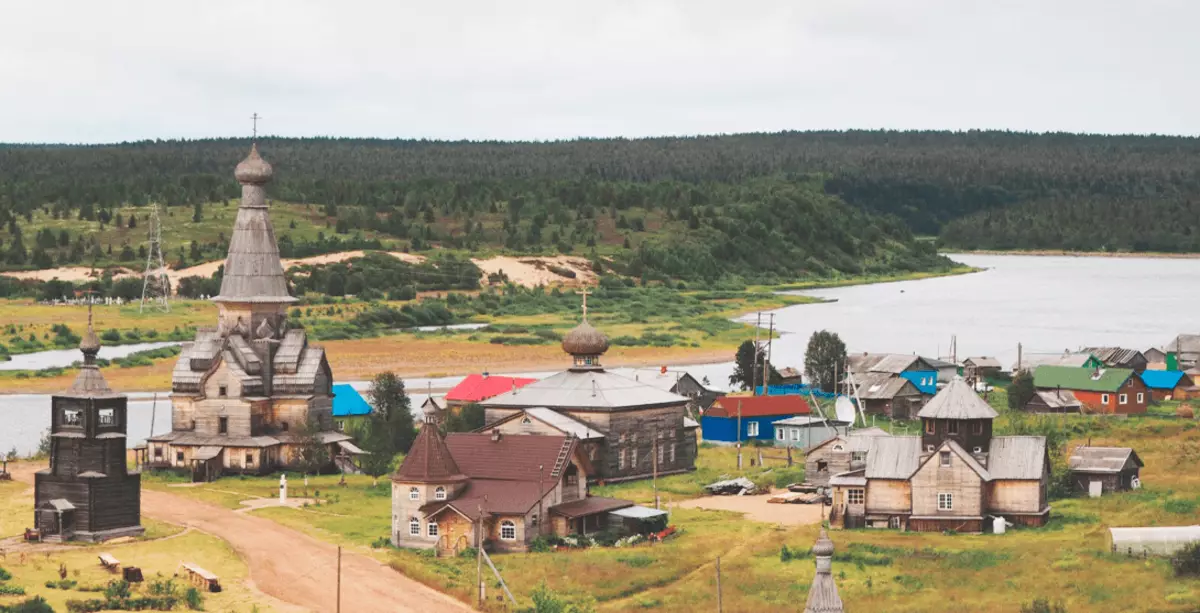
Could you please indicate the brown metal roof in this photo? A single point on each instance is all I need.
(591, 505)
(429, 461)
(493, 497)
(514, 457)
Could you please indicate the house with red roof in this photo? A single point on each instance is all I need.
(480, 387)
(494, 489)
(734, 419)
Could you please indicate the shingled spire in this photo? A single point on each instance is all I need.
(823, 595)
(253, 271)
(89, 383)
(429, 460)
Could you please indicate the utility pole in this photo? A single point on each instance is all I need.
(654, 463)
(479, 560)
(719, 607)
(339, 580)
(767, 354)
(754, 369)
(156, 287)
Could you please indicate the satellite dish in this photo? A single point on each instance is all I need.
(844, 409)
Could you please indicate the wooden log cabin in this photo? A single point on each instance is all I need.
(1103, 470)
(1099, 390)
(955, 476)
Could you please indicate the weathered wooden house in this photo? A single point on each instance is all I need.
(1053, 401)
(642, 427)
(889, 394)
(494, 490)
(790, 376)
(1099, 390)
(1155, 358)
(1119, 357)
(738, 419)
(247, 394)
(1104, 470)
(1167, 384)
(88, 493)
(953, 477)
(839, 454)
(981, 367)
(678, 382)
(1030, 361)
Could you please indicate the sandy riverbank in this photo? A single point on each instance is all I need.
(1082, 254)
(361, 359)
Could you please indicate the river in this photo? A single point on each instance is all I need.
(1046, 303)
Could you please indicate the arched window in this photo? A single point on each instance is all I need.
(414, 493)
(439, 493)
(508, 531)
(432, 529)
(414, 526)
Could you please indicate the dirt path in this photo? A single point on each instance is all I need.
(758, 509)
(293, 566)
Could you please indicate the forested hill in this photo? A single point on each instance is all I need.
(777, 204)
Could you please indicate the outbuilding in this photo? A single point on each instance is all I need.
(1158, 540)
(1103, 470)
(349, 407)
(1053, 401)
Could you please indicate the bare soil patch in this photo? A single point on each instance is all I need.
(758, 509)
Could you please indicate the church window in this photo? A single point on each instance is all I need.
(439, 493)
(952, 427)
(223, 390)
(223, 425)
(432, 529)
(508, 531)
(414, 493)
(414, 526)
(71, 417)
(107, 417)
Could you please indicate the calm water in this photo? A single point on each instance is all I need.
(1047, 303)
(61, 358)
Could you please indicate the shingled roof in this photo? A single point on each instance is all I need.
(518, 457)
(957, 401)
(253, 270)
(429, 461)
(1102, 459)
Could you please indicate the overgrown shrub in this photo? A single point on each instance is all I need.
(1186, 561)
(1041, 605)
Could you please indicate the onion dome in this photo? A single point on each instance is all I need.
(585, 340)
(253, 170)
(824, 546)
(90, 345)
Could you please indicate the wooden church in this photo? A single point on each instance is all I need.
(88, 493)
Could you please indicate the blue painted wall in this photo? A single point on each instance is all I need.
(925, 380)
(724, 429)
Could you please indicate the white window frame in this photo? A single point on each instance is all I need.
(414, 493)
(780, 433)
(795, 434)
(508, 527)
(439, 493)
(414, 526)
(672, 453)
(1103, 398)
(1123, 399)
(856, 496)
(945, 501)
(751, 429)
(620, 459)
(431, 529)
(944, 459)
(1141, 397)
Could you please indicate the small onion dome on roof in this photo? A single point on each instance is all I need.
(585, 340)
(90, 343)
(824, 547)
(253, 170)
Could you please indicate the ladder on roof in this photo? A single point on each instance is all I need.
(563, 455)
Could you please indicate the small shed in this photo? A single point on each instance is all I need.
(1157, 541)
(348, 406)
(1054, 401)
(805, 431)
(981, 367)
(1103, 470)
(1167, 384)
(790, 376)
(638, 520)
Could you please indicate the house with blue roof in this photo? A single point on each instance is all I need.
(1167, 384)
(349, 407)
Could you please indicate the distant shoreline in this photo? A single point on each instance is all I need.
(1079, 254)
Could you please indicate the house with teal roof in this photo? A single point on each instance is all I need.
(349, 407)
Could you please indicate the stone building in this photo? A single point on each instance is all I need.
(499, 490)
(250, 393)
(88, 493)
(627, 429)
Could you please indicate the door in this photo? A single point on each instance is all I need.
(1095, 489)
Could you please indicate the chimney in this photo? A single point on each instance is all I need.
(495, 435)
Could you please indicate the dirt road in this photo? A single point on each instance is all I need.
(758, 509)
(292, 566)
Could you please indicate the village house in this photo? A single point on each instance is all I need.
(1053, 401)
(889, 394)
(643, 430)
(842, 453)
(1102, 390)
(790, 376)
(678, 382)
(1104, 470)
(493, 489)
(946, 371)
(806, 431)
(736, 419)
(249, 394)
(1167, 384)
(981, 367)
(88, 493)
(1118, 357)
(1186, 349)
(1030, 361)
(1155, 358)
(350, 409)
(954, 476)
(476, 388)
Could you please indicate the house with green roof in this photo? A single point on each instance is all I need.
(1099, 390)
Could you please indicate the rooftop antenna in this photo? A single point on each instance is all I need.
(156, 287)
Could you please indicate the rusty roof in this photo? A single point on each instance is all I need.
(514, 457)
(493, 497)
(429, 461)
(758, 406)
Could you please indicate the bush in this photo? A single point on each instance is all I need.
(1041, 605)
(194, 600)
(11, 590)
(5, 575)
(37, 604)
(1186, 561)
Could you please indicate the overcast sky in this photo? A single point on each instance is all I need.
(109, 71)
